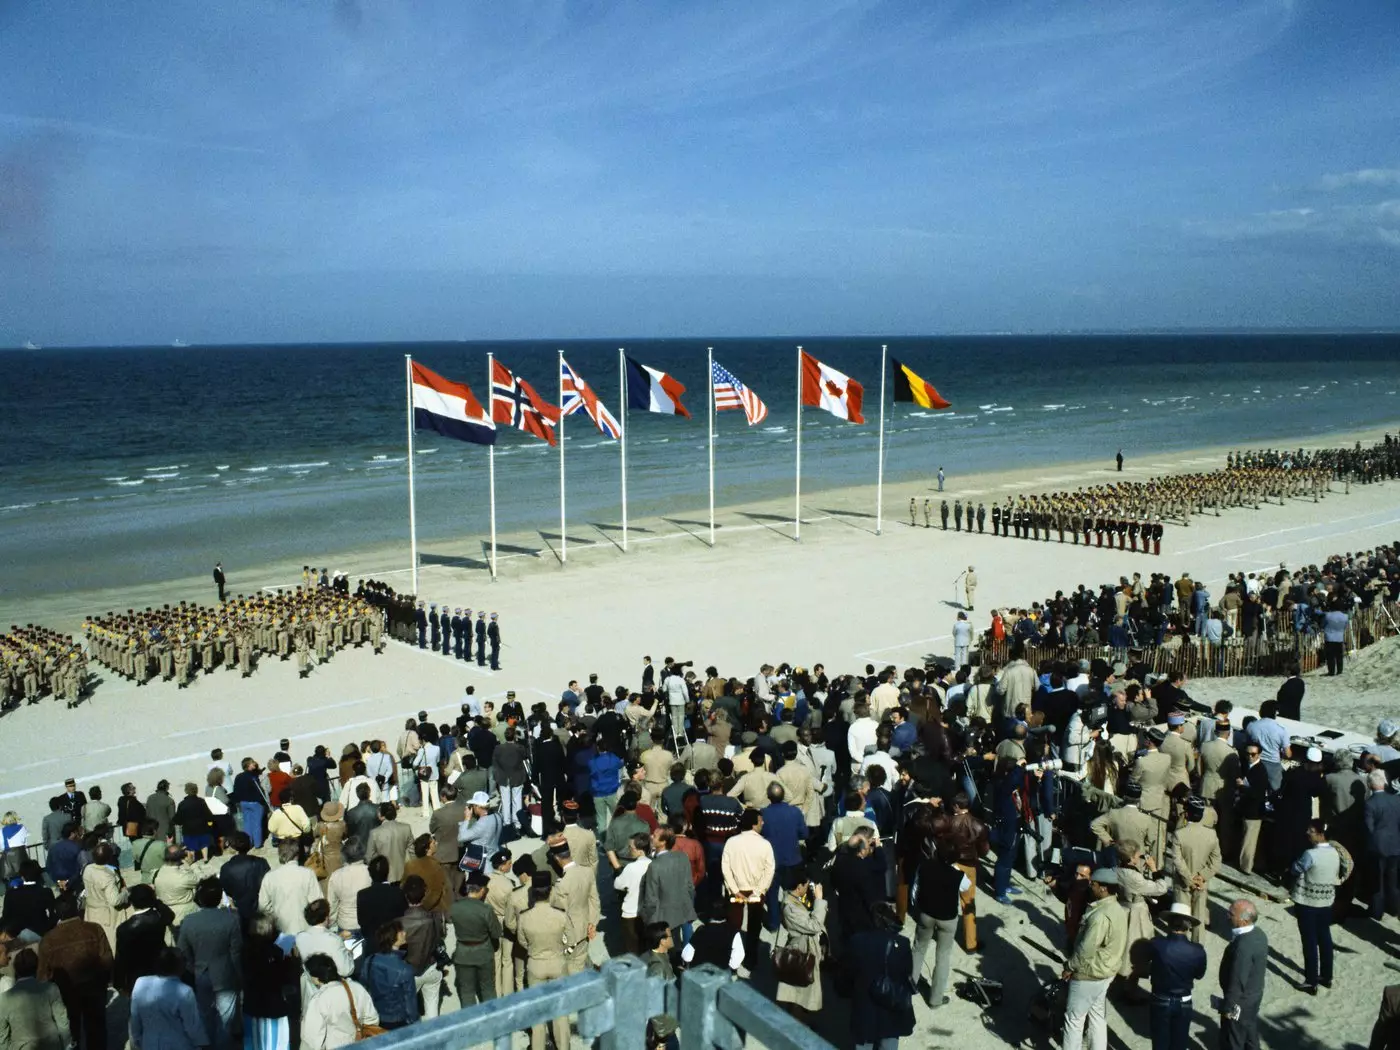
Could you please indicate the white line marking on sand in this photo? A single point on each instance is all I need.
(1325, 525)
(237, 748)
(902, 645)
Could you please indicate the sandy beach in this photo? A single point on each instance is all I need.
(842, 596)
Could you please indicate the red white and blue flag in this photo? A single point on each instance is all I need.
(579, 396)
(449, 408)
(514, 402)
(730, 393)
(652, 390)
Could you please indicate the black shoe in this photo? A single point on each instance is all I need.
(1310, 989)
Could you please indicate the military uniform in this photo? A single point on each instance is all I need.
(1195, 851)
(478, 932)
(542, 931)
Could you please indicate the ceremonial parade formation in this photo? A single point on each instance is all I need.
(178, 642)
(1129, 515)
(36, 661)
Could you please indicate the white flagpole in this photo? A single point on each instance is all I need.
(563, 520)
(797, 510)
(412, 511)
(710, 372)
(622, 379)
(491, 455)
(880, 473)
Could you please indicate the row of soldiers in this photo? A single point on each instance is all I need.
(1034, 518)
(36, 661)
(449, 631)
(1124, 513)
(1365, 465)
(176, 642)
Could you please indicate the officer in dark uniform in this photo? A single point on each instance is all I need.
(1033, 517)
(1133, 534)
(481, 639)
(467, 636)
(981, 516)
(943, 513)
(446, 622)
(996, 519)
(456, 624)
(434, 628)
(1087, 523)
(493, 636)
(1017, 524)
(957, 515)
(421, 618)
(1098, 529)
(1157, 536)
(1122, 533)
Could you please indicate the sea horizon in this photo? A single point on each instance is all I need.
(138, 464)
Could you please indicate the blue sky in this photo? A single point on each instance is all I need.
(320, 170)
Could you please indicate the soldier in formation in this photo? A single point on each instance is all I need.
(182, 641)
(36, 662)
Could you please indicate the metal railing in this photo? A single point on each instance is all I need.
(614, 1006)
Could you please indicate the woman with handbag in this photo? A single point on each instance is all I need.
(330, 833)
(879, 966)
(797, 952)
(340, 1011)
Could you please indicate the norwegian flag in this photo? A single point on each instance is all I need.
(730, 393)
(578, 395)
(514, 402)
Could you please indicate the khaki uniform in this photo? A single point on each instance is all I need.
(498, 893)
(1152, 771)
(576, 894)
(1124, 824)
(542, 931)
(1195, 850)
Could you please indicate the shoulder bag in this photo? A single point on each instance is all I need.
(890, 993)
(362, 1031)
(793, 966)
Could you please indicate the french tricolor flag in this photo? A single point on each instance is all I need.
(653, 391)
(449, 408)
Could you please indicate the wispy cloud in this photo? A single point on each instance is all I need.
(99, 131)
(1361, 177)
(1343, 225)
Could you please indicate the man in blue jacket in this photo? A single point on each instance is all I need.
(785, 828)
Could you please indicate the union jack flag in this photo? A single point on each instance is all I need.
(730, 393)
(514, 402)
(578, 395)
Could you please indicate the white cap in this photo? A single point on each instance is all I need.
(1314, 754)
(481, 798)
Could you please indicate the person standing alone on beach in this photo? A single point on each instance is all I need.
(219, 578)
(1120, 461)
(940, 479)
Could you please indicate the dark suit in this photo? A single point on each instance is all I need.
(377, 904)
(211, 941)
(549, 770)
(1382, 815)
(361, 819)
(1242, 971)
(456, 623)
(480, 643)
(139, 941)
(1290, 699)
(30, 907)
(306, 793)
(241, 878)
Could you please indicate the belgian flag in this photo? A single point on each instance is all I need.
(909, 387)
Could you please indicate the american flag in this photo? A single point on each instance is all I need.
(730, 393)
(579, 395)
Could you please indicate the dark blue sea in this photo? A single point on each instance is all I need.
(125, 466)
